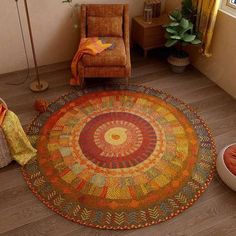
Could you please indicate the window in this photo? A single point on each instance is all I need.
(231, 3)
(229, 6)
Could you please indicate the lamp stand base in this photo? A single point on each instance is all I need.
(38, 87)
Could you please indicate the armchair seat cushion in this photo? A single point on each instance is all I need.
(114, 56)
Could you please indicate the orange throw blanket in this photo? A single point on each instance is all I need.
(91, 46)
(3, 111)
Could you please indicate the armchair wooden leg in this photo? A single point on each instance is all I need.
(127, 80)
(82, 85)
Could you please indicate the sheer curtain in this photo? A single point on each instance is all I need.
(206, 18)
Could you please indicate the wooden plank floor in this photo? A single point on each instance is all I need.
(213, 214)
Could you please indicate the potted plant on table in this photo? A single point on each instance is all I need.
(179, 33)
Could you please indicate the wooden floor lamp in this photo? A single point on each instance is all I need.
(37, 85)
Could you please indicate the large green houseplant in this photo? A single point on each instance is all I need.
(179, 33)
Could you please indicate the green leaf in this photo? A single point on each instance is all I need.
(174, 24)
(172, 18)
(171, 42)
(175, 37)
(183, 31)
(184, 23)
(176, 14)
(189, 37)
(171, 30)
(171, 24)
(191, 25)
(196, 41)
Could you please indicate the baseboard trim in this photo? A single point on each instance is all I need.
(42, 70)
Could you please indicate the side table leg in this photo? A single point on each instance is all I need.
(127, 80)
(145, 52)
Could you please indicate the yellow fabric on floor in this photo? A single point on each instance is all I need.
(20, 148)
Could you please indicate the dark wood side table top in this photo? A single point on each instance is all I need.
(159, 21)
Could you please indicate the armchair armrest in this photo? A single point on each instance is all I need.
(127, 37)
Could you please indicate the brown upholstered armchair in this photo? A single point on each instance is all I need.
(111, 22)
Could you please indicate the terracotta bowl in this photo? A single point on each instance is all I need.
(226, 165)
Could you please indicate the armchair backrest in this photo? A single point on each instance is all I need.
(104, 20)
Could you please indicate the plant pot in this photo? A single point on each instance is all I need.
(178, 64)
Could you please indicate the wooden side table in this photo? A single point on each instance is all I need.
(149, 36)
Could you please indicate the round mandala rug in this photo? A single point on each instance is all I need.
(119, 157)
